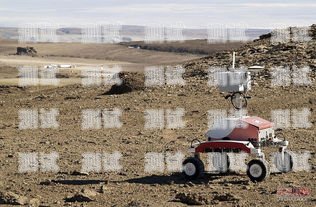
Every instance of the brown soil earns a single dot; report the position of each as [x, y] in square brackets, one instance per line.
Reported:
[133, 186]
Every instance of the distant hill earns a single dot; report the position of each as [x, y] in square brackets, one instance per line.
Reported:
[128, 33]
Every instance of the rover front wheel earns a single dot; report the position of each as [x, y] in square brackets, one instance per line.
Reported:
[192, 168]
[257, 170]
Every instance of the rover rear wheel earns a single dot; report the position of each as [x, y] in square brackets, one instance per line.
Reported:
[257, 170]
[192, 168]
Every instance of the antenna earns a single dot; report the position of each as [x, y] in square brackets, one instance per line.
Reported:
[234, 59]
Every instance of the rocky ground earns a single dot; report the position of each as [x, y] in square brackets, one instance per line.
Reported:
[266, 52]
[132, 186]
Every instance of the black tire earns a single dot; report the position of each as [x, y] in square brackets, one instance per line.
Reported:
[258, 170]
[192, 168]
[285, 167]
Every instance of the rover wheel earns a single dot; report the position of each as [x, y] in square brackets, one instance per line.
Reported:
[192, 168]
[286, 165]
[257, 170]
[238, 100]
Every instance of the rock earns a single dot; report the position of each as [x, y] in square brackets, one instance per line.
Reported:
[192, 199]
[60, 75]
[312, 101]
[79, 173]
[89, 192]
[86, 195]
[130, 81]
[12, 198]
[245, 187]
[189, 184]
[40, 97]
[226, 197]
[102, 189]
[71, 97]
[31, 51]
[134, 204]
[34, 202]
[47, 182]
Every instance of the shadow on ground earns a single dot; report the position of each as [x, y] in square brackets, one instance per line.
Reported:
[172, 179]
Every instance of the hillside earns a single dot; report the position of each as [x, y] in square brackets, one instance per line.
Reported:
[265, 53]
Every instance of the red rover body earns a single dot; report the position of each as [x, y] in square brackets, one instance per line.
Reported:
[244, 134]
[252, 129]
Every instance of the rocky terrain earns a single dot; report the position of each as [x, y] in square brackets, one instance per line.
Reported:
[266, 53]
[133, 186]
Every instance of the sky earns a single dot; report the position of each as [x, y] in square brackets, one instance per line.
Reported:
[189, 13]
